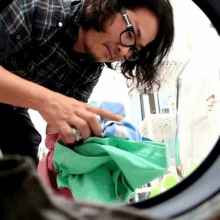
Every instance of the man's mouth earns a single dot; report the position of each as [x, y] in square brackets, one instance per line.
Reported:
[109, 52]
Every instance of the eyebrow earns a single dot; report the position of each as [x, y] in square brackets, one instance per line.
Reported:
[139, 33]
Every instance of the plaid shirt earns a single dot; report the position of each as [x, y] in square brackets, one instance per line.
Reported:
[37, 41]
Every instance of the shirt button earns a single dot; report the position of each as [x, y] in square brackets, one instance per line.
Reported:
[60, 24]
[18, 37]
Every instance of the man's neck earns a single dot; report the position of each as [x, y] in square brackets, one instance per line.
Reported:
[79, 45]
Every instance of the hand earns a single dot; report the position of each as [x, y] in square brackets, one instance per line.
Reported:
[62, 113]
[51, 130]
[53, 135]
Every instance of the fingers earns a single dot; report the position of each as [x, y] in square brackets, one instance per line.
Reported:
[84, 122]
[63, 138]
[51, 130]
[66, 130]
[64, 113]
[104, 113]
[92, 123]
[87, 120]
[82, 126]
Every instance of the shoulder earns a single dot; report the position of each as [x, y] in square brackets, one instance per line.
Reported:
[39, 18]
[52, 15]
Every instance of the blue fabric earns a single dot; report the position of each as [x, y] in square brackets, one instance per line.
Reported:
[124, 129]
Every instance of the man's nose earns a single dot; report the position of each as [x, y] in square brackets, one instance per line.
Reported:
[122, 50]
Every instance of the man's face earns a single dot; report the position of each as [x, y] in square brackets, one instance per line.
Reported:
[105, 46]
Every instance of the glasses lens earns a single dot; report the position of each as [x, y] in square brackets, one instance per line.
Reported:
[128, 38]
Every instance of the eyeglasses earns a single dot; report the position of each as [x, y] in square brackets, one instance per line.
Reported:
[128, 38]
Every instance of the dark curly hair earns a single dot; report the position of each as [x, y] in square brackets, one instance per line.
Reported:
[143, 72]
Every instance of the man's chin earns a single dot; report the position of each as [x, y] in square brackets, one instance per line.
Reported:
[94, 58]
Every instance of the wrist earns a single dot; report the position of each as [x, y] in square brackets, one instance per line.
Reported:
[44, 99]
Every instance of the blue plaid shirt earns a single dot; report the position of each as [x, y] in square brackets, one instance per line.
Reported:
[37, 41]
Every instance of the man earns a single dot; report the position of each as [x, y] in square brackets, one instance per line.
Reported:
[52, 54]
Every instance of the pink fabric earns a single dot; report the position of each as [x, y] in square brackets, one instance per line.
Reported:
[46, 168]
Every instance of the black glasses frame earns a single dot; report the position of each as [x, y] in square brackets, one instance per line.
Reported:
[129, 28]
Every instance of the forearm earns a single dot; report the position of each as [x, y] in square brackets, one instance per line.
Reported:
[59, 111]
[17, 91]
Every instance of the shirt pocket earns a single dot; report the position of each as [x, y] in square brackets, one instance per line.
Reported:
[12, 41]
[47, 65]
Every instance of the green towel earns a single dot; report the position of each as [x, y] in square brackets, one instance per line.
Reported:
[108, 170]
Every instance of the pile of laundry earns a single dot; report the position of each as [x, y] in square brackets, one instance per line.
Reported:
[105, 169]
